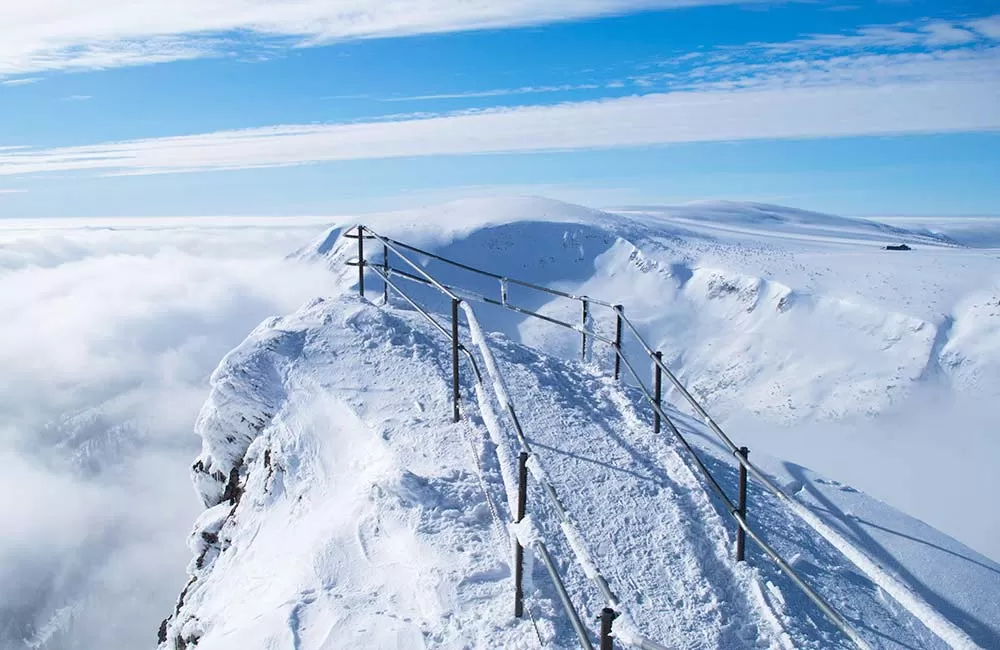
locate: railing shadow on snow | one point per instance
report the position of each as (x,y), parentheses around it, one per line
(624,631)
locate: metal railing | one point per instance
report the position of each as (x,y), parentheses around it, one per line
(385,272)
(737,510)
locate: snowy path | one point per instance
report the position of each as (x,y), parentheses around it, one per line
(642,511)
(362,520)
(659,538)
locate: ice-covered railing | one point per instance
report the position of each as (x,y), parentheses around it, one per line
(899,591)
(528,535)
(525,534)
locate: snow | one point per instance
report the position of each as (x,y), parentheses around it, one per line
(349,529)
(344,508)
(796,328)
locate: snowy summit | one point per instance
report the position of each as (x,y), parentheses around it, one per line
(345,508)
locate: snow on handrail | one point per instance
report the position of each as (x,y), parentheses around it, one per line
(624,628)
(505,466)
(899,591)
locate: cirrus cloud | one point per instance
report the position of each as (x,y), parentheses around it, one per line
(773,111)
(65,34)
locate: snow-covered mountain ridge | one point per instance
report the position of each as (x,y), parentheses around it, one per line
(799,328)
(369,368)
(352,514)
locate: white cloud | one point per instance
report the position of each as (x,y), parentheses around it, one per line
(988,27)
(65,34)
(945,34)
(23,81)
(921,34)
(496,92)
(110,333)
(873,97)
(11,191)
(939,66)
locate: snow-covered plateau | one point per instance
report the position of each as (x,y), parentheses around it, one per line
(344,508)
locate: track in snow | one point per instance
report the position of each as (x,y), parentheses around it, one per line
(662,542)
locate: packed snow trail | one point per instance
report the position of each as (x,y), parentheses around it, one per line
(661,542)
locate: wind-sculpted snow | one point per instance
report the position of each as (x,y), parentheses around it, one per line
(356,518)
(246,391)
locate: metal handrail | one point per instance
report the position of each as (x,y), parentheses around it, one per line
(390,244)
(567,525)
(496,276)
(865,564)
(426,314)
(539,545)
(469,295)
(548,489)
(456,294)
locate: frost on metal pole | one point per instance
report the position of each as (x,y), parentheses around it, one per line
(454,356)
(522,502)
(619,312)
(583,346)
(741,507)
(608,617)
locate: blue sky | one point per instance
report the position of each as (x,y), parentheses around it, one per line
(125,108)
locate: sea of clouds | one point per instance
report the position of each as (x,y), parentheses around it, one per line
(108,335)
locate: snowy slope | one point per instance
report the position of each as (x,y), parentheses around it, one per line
(798,329)
(347,529)
(355,515)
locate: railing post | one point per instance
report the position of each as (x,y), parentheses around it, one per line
(657,390)
(522,502)
(741,506)
(385,270)
(619,310)
(361,260)
(454,356)
(583,347)
(608,617)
